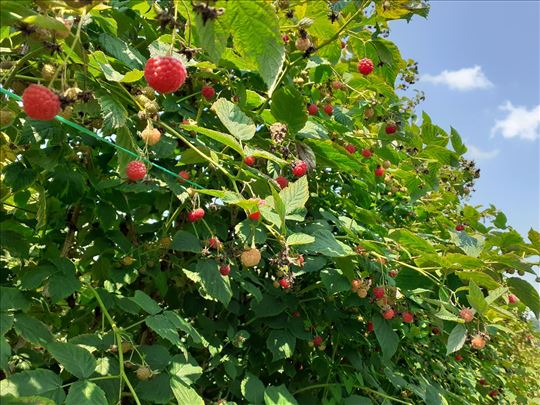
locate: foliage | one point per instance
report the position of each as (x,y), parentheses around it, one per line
(109,294)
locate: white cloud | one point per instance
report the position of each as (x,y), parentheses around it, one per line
(463,79)
(478,154)
(519,122)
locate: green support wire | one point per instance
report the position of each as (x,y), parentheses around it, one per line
(101,139)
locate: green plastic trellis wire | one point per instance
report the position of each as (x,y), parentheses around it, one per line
(101,139)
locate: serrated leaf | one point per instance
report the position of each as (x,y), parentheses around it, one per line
(457,143)
(12,298)
(184,394)
(75,359)
(279,395)
(295,195)
(479,278)
(85,392)
(233,118)
(32,330)
(213,34)
(214,284)
(184,241)
(146,303)
(526,293)
(121,51)
(112,110)
(299,239)
(327,244)
(411,241)
(40,382)
(256,35)
(288,107)
(163,327)
(281,344)
(476,298)
(252,388)
(220,137)
(387,338)
(457,338)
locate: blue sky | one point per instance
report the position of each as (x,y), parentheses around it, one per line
(479,66)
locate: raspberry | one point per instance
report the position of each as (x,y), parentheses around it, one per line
(393,273)
(386,164)
(195,215)
(185,175)
(494,393)
(225,270)
(459,357)
(356,284)
(350,148)
(478,342)
(390,128)
(40,103)
(460,227)
(378,292)
(512,299)
(466,314)
(369,113)
(482,381)
(135,170)
(367,153)
(250,257)
(303,44)
(300,168)
(296,314)
(328,109)
(255,216)
(370,326)
(214,243)
(208,92)
(165,74)
(407,317)
(282,181)
(362,293)
(6,117)
(435,330)
(313,109)
(285,38)
(336,85)
(317,340)
(249,160)
(143,373)
(379,171)
(151,136)
(388,314)
(365,66)
(284,283)
(360,250)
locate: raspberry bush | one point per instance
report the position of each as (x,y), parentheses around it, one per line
(278,266)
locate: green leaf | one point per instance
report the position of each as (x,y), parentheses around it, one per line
(295,195)
(145,302)
(220,137)
(32,400)
(281,343)
(6,322)
(213,34)
(534,237)
(156,390)
(252,389)
(40,382)
(215,285)
(357,400)
(75,359)
(121,51)
(448,316)
(256,35)
(526,293)
(288,106)
(12,299)
(234,119)
(411,241)
(470,244)
(184,394)
(85,392)
(457,338)
(112,110)
(44,21)
(279,395)
(5,353)
(299,239)
(457,143)
(476,298)
(185,369)
(180,323)
(387,338)
(132,76)
(479,278)
(32,330)
(18,176)
(184,241)
(334,281)
(161,324)
(327,244)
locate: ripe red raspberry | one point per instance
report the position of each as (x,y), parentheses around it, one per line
(300,168)
(367,153)
(214,242)
(185,175)
(301,260)
(435,330)
(165,74)
(482,381)
(225,270)
(360,250)
(336,85)
(313,109)
(296,314)
(459,357)
(393,273)
(249,160)
(407,317)
(378,292)
(350,148)
(208,92)
(328,109)
(512,299)
(255,216)
(317,340)
(466,314)
(379,171)
(494,393)
(343,44)
(40,103)
(388,314)
(195,215)
(284,283)
(460,227)
(135,170)
(370,326)
(365,66)
(282,181)
(285,38)
(390,128)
